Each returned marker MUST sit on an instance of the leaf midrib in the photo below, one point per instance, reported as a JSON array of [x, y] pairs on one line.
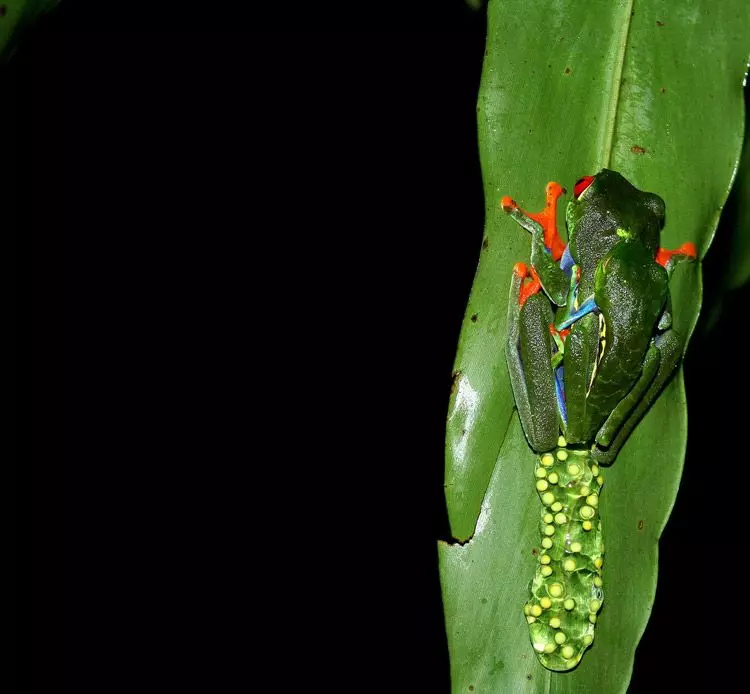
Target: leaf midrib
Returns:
[[610, 119]]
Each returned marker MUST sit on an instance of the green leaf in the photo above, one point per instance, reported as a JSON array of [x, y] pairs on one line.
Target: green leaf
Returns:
[[654, 91], [16, 17]]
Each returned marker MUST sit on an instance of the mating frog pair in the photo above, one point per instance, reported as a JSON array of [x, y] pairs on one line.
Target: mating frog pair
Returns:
[[590, 346]]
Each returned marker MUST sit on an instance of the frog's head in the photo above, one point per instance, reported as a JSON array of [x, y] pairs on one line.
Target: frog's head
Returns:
[[607, 203]]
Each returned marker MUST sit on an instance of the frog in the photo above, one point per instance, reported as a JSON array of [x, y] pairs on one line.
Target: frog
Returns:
[[599, 306], [590, 345]]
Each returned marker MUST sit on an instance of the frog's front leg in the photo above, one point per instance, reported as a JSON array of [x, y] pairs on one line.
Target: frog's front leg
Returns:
[[669, 259], [529, 352], [547, 248], [581, 353], [546, 219]]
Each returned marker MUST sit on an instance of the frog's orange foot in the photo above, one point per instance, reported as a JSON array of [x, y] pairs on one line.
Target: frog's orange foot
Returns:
[[509, 204], [547, 218], [664, 256], [527, 288]]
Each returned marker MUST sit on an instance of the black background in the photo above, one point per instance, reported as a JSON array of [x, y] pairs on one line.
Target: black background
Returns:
[[270, 236]]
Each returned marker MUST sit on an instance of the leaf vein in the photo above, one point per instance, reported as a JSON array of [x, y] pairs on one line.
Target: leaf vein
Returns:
[[614, 102]]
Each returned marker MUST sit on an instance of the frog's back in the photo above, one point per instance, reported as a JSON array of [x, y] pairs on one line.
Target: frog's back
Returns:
[[596, 221]]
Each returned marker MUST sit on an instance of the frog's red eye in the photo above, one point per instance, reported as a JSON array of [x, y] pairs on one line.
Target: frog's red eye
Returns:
[[581, 185]]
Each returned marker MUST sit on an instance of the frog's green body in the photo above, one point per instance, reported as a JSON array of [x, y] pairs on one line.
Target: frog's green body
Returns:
[[587, 356]]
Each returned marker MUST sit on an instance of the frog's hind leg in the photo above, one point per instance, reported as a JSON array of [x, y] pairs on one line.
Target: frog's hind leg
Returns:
[[661, 360], [625, 407], [581, 349], [529, 356]]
